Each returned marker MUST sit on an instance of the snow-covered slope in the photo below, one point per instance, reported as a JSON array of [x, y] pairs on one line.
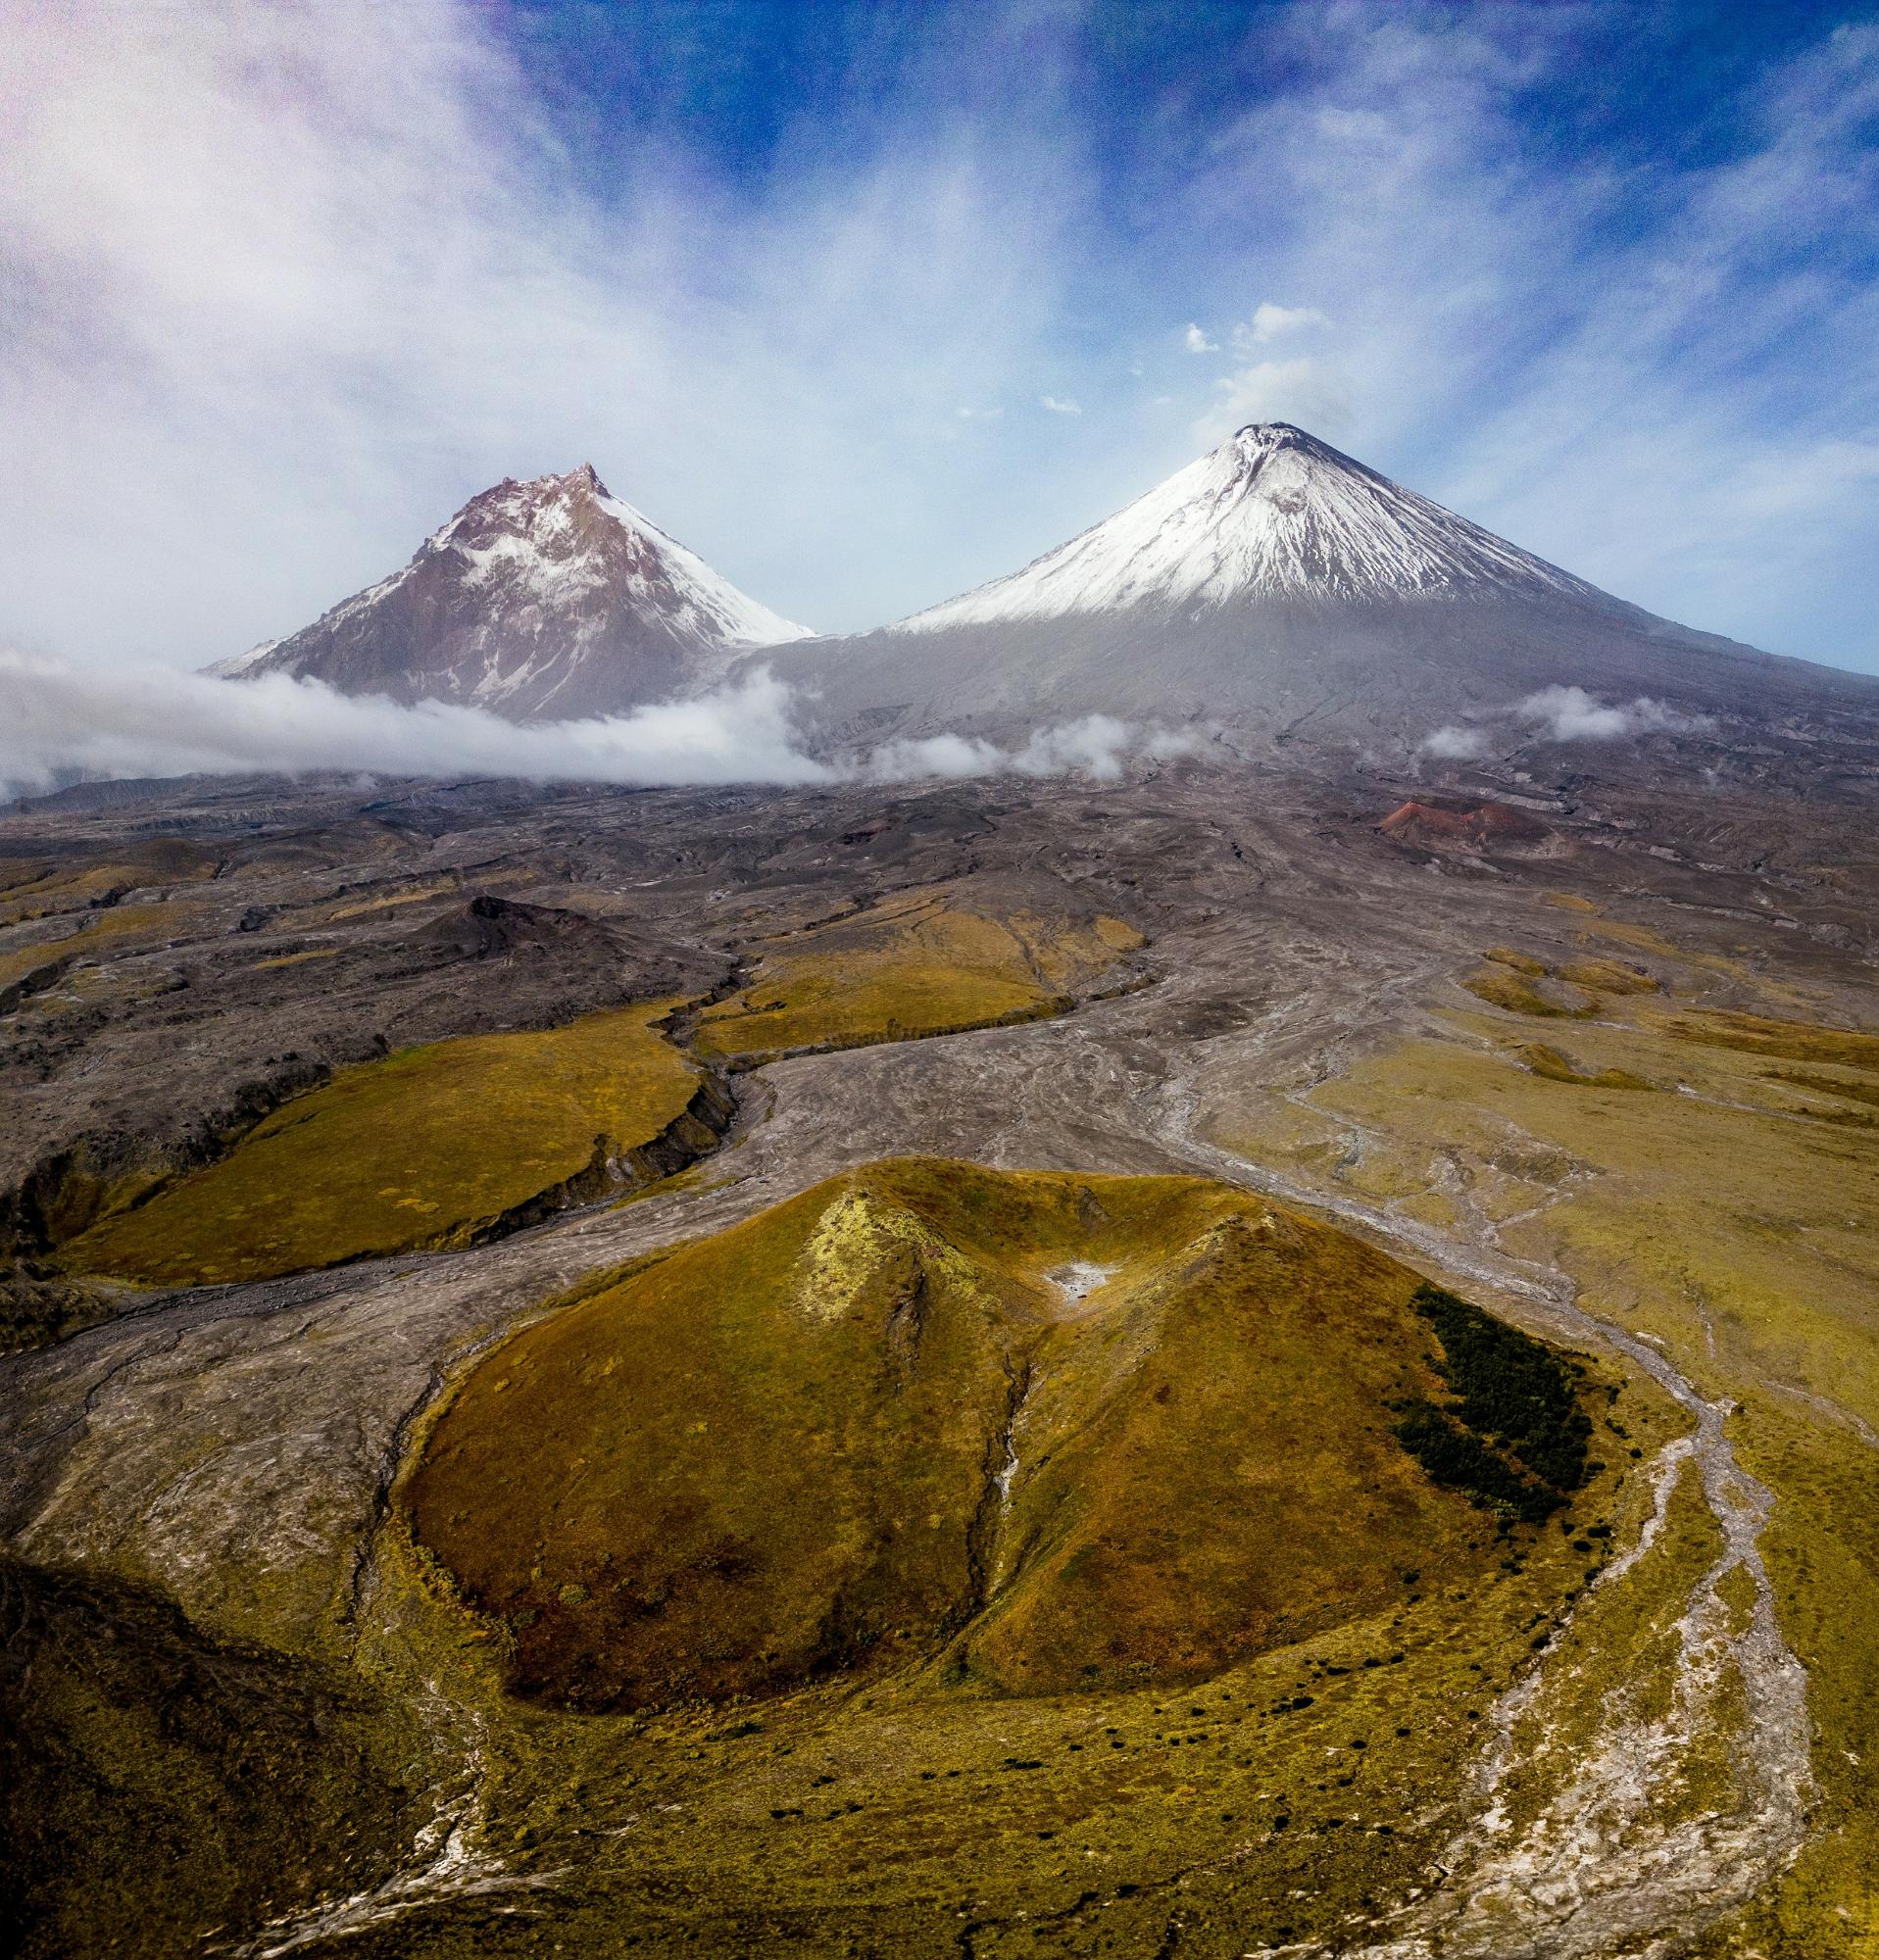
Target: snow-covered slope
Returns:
[[1281, 587], [549, 597], [1274, 512]]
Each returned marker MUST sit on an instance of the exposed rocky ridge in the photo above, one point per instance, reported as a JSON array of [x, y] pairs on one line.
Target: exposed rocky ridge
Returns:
[[549, 598]]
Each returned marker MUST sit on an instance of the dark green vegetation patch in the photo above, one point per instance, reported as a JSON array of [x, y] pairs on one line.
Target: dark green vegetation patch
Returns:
[[1515, 1436]]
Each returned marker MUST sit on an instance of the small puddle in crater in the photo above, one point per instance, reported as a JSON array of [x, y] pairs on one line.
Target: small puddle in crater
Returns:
[[1079, 1279]]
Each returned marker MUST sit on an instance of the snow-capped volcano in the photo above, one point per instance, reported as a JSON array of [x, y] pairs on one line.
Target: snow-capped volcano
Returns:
[[1274, 512], [1279, 586], [546, 599]]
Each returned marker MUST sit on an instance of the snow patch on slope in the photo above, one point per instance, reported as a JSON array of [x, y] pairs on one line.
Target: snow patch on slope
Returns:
[[235, 665], [713, 605], [1272, 513], [540, 552]]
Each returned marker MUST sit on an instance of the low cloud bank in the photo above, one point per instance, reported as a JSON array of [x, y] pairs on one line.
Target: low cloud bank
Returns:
[[154, 722], [1571, 714], [1455, 744], [1565, 714], [64, 724], [1097, 745]]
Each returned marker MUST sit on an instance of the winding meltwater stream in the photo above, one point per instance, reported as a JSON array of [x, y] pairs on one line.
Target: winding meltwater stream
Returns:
[[1577, 1834], [1604, 1855]]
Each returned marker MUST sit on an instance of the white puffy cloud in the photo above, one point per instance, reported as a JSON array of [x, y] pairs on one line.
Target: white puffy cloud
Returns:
[[956, 755], [1168, 745], [1571, 714], [1456, 744], [153, 721], [1097, 745], [1196, 341], [1563, 713], [1059, 405]]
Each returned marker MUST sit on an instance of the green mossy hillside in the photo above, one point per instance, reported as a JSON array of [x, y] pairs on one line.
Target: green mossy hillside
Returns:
[[1010, 1431], [426, 1148], [1552, 1066], [919, 964]]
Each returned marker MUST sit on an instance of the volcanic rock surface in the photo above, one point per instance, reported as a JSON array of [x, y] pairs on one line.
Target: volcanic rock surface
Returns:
[[245, 1646], [1487, 828]]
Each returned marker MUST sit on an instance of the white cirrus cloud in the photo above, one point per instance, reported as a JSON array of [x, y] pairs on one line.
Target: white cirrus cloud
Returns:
[[1662, 372], [285, 284], [1303, 390]]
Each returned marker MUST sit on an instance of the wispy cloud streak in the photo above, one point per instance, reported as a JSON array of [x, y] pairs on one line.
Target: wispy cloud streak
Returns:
[[66, 724]]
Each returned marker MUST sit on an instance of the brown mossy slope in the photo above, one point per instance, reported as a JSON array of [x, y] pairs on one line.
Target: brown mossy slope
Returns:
[[40, 886], [45, 947], [1033, 1431], [156, 1783], [1786, 1041], [1524, 984], [429, 1147], [1549, 1063], [923, 962]]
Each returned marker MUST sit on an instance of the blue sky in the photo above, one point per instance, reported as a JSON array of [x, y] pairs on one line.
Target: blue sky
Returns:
[[868, 302]]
